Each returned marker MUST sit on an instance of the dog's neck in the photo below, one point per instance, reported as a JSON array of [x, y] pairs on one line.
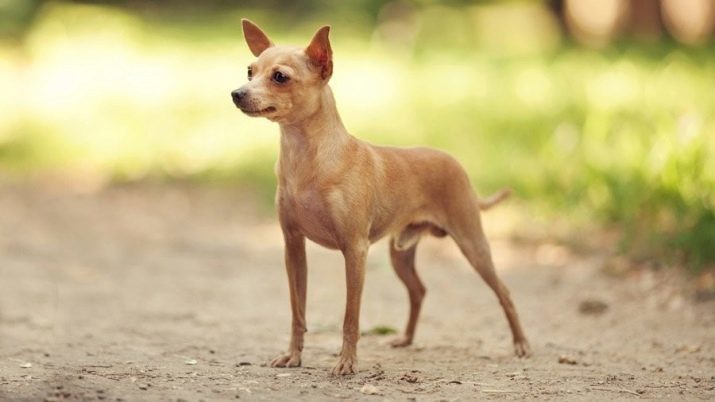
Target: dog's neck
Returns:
[[315, 143], [323, 124]]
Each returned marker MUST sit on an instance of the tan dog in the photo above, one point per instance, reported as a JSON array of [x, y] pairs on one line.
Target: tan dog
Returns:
[[345, 194]]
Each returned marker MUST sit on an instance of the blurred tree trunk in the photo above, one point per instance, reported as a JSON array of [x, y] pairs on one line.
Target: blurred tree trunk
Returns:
[[689, 21], [645, 20]]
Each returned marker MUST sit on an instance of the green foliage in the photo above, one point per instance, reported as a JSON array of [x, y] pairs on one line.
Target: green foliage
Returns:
[[624, 137]]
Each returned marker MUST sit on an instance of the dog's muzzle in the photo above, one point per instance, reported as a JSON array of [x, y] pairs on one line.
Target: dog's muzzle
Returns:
[[238, 96], [241, 100]]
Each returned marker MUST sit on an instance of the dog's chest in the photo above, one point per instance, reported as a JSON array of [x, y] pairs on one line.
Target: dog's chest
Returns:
[[309, 210]]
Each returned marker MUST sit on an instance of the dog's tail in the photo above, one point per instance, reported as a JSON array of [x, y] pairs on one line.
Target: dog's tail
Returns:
[[494, 199]]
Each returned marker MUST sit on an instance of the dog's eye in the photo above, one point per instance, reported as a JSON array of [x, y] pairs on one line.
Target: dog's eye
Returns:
[[250, 73], [279, 77]]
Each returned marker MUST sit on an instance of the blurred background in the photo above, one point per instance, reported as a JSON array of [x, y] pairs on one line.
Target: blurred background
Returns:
[[600, 114]]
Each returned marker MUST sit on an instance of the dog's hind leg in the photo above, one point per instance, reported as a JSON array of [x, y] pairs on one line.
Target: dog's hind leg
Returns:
[[403, 261], [466, 229]]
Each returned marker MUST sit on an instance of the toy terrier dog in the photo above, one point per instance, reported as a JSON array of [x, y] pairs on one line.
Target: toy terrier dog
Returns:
[[345, 194]]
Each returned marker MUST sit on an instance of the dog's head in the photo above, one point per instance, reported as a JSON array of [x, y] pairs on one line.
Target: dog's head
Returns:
[[284, 82]]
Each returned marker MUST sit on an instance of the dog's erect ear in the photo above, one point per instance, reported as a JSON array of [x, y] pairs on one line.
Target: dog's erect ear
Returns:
[[320, 53], [257, 40]]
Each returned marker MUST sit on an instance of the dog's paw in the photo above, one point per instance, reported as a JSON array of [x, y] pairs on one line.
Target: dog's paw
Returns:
[[345, 366], [522, 348], [401, 342], [287, 360]]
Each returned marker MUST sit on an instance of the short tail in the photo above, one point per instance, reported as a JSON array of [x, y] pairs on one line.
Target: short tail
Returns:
[[494, 199]]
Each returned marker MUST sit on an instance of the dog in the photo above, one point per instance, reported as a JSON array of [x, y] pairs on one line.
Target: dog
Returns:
[[345, 194]]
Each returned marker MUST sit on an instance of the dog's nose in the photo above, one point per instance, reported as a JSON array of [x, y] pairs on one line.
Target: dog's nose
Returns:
[[237, 95]]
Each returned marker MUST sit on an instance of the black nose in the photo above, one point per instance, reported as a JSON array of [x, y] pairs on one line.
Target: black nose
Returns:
[[238, 95]]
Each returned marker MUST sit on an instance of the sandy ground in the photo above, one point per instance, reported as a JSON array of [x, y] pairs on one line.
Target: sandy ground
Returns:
[[178, 293]]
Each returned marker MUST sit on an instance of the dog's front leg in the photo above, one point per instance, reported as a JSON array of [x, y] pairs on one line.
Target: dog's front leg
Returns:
[[296, 268], [355, 255]]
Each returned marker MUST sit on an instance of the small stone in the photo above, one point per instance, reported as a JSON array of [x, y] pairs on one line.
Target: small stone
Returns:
[[409, 378], [592, 307], [369, 389], [563, 359], [191, 362]]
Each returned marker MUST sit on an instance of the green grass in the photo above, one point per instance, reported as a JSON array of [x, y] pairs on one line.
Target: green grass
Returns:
[[623, 137]]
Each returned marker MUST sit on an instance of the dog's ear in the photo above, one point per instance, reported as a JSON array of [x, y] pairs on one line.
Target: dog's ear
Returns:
[[320, 53], [257, 40]]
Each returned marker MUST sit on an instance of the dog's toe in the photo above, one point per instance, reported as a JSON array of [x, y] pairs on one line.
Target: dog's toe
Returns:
[[401, 342], [522, 348], [345, 366], [286, 360]]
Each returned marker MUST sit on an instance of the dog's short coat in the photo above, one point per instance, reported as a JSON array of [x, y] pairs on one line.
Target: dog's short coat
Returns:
[[345, 194]]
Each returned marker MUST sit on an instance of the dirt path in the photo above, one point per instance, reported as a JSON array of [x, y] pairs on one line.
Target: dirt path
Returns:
[[179, 292]]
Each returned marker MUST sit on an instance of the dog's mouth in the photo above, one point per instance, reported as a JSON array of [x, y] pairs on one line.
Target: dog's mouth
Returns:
[[260, 112]]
